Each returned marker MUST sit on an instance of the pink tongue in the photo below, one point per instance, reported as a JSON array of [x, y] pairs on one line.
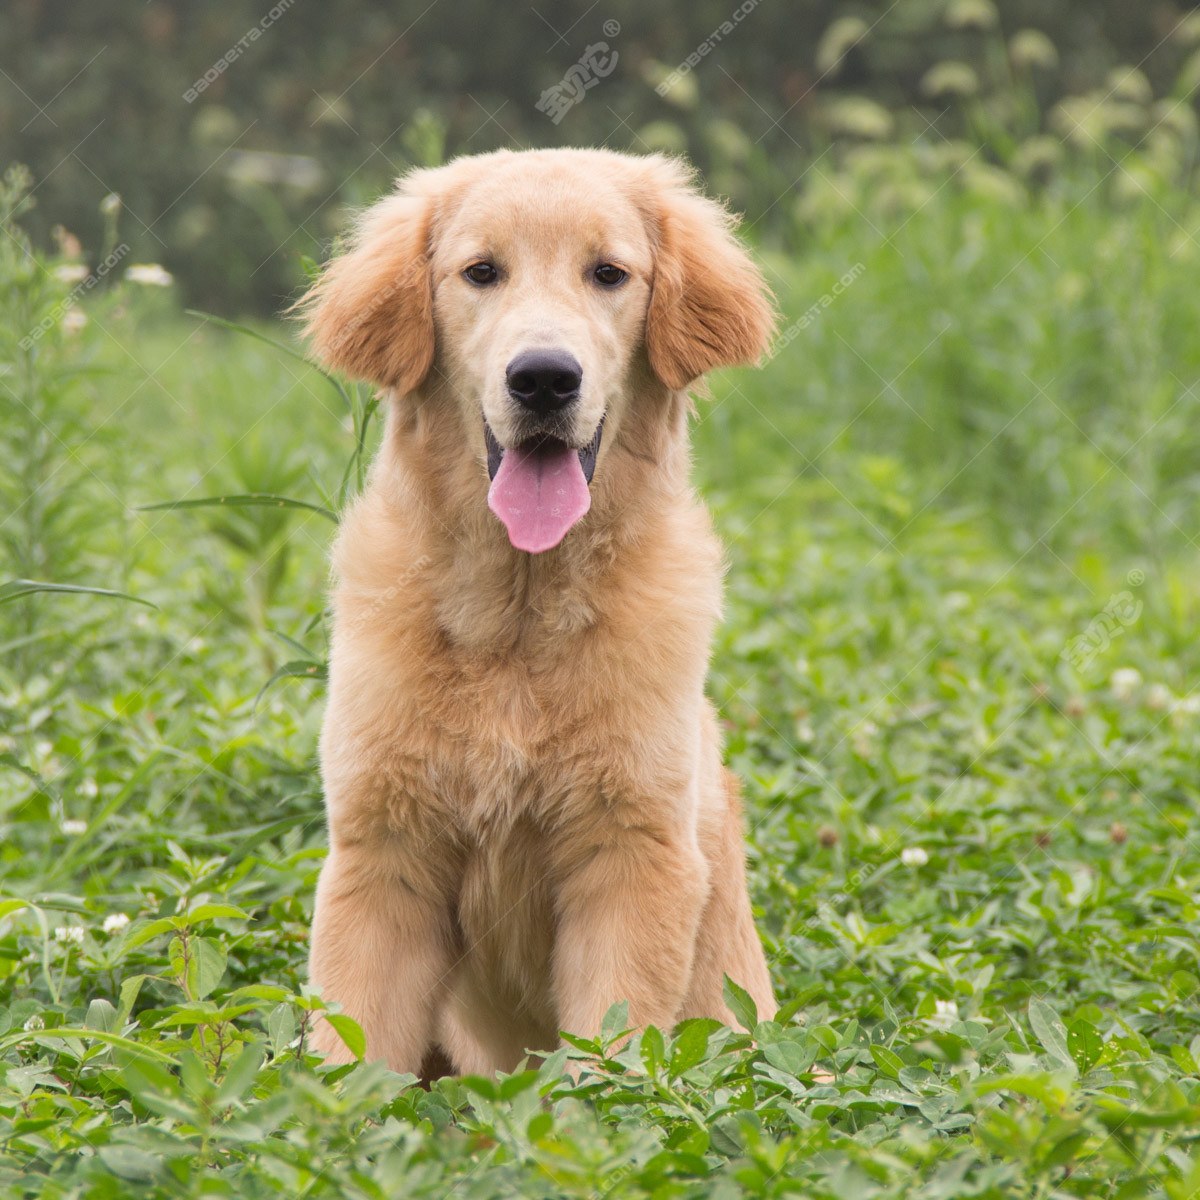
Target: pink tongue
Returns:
[[539, 494]]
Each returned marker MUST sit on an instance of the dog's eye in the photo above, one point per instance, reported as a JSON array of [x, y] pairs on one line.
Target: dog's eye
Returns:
[[481, 273], [609, 276]]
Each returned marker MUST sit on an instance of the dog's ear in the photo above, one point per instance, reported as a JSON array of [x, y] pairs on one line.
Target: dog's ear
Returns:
[[370, 314], [709, 305]]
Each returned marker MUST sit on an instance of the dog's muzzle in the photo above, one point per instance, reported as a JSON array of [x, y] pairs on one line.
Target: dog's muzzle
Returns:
[[540, 488]]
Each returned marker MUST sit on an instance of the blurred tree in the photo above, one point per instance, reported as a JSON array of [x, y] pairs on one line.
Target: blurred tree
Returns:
[[237, 132]]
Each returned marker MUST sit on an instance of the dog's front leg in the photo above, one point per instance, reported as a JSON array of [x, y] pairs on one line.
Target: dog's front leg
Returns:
[[381, 948], [628, 919]]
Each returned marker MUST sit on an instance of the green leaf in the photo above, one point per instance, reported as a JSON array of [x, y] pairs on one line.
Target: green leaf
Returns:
[[261, 991], [741, 1005], [480, 1085], [615, 1023], [553, 1066], [152, 929], [652, 1049], [178, 958], [1049, 1029], [514, 1085], [101, 1015], [789, 1052], [1040, 1087], [1183, 1059], [69, 1032], [206, 966], [919, 1080], [16, 588], [1085, 1044], [350, 1032], [248, 840], [194, 1076], [299, 647], [305, 668], [540, 1124], [211, 912], [1067, 1148], [1118, 1117], [728, 1136], [240, 1076], [281, 1028], [130, 1163], [157, 1089], [690, 1045], [587, 1045], [888, 1061], [11, 760], [243, 500], [128, 996], [202, 1012]]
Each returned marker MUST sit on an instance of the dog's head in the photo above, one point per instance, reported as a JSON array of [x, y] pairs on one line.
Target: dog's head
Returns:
[[534, 286]]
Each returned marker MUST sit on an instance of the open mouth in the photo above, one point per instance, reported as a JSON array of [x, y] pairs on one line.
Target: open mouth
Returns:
[[540, 488]]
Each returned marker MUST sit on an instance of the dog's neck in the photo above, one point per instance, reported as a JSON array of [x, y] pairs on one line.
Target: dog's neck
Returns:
[[492, 596]]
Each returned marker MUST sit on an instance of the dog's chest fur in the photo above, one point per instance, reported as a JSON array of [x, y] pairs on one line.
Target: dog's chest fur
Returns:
[[506, 704]]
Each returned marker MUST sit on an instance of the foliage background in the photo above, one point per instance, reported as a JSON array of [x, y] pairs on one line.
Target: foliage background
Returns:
[[91, 98], [958, 671]]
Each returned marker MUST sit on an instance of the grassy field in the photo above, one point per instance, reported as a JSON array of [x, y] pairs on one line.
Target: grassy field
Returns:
[[958, 672]]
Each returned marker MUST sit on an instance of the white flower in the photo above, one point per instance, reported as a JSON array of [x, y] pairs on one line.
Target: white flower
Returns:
[[44, 749], [862, 740], [74, 825], [1032, 48], [1189, 705], [69, 934], [71, 272], [34, 1024], [972, 14], [151, 274], [914, 856], [74, 319], [89, 788], [945, 1013], [115, 922], [1158, 697], [1125, 681]]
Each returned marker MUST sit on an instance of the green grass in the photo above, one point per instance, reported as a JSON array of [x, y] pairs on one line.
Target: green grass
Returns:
[[974, 861]]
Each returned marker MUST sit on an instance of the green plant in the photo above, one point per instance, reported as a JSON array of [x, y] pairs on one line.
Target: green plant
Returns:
[[972, 852]]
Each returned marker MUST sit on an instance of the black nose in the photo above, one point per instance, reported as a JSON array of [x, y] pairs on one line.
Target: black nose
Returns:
[[544, 380]]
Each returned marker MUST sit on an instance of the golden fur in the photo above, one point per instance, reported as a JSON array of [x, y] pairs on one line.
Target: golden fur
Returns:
[[528, 815]]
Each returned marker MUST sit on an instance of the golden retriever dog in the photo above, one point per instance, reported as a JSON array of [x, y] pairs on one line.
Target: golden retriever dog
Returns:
[[528, 815]]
